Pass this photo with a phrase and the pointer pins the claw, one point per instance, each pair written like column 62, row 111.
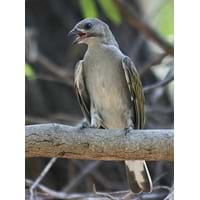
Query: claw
column 83, row 124
column 94, row 126
column 127, row 130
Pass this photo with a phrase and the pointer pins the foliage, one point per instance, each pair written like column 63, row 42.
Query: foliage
column 89, row 9
column 111, row 11
column 30, row 74
column 164, row 20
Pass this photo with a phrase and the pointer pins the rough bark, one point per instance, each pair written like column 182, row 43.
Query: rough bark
column 56, row 140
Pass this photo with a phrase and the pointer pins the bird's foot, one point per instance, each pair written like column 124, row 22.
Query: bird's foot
column 95, row 124
column 127, row 130
column 83, row 124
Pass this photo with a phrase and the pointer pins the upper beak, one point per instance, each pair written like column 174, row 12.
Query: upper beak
column 73, row 32
column 78, row 35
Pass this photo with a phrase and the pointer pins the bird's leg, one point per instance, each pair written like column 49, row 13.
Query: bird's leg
column 95, row 121
column 95, row 118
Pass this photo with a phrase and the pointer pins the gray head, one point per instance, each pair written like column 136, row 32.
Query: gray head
column 92, row 31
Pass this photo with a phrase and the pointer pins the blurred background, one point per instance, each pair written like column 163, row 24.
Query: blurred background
column 144, row 31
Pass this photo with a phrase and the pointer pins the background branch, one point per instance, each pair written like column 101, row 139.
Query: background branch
column 56, row 140
column 51, row 194
column 88, row 169
column 40, row 177
column 168, row 78
column 154, row 62
column 134, row 21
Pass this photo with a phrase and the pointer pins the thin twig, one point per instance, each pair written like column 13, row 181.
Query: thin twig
column 101, row 179
column 170, row 196
column 127, row 196
column 41, row 176
column 141, row 26
column 158, row 109
column 162, row 187
column 109, row 196
column 168, row 78
column 64, row 74
column 152, row 63
column 50, row 192
column 109, row 184
column 159, row 177
column 33, row 54
column 119, row 195
column 63, row 195
column 87, row 169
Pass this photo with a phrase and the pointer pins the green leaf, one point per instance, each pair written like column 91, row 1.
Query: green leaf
column 111, row 11
column 29, row 72
column 165, row 20
column 88, row 8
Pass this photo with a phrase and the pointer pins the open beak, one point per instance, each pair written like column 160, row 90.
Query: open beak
column 77, row 34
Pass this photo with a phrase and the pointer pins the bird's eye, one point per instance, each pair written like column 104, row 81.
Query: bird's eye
column 88, row 26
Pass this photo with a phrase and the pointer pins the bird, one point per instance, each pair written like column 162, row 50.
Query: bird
column 109, row 90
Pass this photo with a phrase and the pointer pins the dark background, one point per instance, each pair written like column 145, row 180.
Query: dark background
column 50, row 96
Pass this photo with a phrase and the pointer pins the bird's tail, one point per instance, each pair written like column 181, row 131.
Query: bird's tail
column 138, row 176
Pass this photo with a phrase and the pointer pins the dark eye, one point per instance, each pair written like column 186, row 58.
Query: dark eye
column 88, row 26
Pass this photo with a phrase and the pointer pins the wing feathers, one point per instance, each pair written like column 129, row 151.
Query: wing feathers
column 81, row 90
column 136, row 91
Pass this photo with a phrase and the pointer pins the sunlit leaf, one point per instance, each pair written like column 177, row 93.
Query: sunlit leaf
column 88, row 8
column 165, row 20
column 111, row 11
column 29, row 72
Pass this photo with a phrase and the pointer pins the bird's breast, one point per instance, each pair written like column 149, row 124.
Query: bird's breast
column 108, row 90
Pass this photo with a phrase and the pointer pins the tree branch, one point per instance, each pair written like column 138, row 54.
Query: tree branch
column 56, row 140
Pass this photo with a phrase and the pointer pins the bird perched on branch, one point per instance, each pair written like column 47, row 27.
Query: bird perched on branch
column 109, row 90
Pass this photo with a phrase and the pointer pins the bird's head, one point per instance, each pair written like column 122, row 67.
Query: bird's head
column 90, row 31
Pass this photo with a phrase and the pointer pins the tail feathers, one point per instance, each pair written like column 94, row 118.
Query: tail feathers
column 138, row 176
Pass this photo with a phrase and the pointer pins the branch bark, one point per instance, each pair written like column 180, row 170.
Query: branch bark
column 56, row 140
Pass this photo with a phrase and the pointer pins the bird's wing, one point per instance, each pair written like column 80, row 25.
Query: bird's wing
column 81, row 90
column 136, row 91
